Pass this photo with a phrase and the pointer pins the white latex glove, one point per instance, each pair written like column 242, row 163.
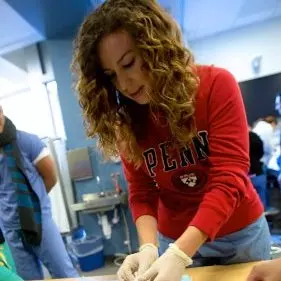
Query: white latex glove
column 138, row 263
column 170, row 266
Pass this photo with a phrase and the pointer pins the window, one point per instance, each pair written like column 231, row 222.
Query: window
column 56, row 109
column 35, row 110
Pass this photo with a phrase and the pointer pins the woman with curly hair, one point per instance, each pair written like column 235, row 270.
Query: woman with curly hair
column 181, row 131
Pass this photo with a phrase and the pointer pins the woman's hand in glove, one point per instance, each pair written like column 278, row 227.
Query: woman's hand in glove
column 169, row 267
column 138, row 263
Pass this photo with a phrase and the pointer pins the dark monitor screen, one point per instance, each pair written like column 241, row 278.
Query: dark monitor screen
column 259, row 96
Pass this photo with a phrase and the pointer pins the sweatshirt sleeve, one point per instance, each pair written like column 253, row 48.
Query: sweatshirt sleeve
column 229, row 155
column 143, row 191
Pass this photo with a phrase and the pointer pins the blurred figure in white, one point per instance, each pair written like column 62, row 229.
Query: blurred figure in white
column 265, row 129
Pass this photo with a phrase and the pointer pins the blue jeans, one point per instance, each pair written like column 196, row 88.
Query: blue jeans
column 249, row 244
column 260, row 184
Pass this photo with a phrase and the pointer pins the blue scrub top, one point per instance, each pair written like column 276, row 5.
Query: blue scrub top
column 30, row 147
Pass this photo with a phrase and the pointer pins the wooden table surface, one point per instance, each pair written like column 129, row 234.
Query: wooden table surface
column 238, row 272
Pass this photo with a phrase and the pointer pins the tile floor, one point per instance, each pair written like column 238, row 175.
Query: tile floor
column 109, row 269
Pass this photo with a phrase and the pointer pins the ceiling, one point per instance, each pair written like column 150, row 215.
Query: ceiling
column 201, row 18
column 15, row 32
column 26, row 22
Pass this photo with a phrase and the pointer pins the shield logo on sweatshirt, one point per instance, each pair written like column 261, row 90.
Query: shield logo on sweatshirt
column 189, row 179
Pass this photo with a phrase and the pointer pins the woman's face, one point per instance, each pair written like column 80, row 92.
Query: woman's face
column 123, row 65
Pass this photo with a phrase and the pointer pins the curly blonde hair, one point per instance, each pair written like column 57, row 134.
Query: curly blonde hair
column 110, row 115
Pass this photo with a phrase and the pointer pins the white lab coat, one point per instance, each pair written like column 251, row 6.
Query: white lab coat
column 273, row 165
column 265, row 131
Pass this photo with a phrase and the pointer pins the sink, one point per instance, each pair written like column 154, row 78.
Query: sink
column 100, row 202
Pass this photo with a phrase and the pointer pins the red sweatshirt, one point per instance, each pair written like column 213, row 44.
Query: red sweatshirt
column 206, row 184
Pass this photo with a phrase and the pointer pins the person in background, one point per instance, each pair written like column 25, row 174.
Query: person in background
column 27, row 174
column 264, row 128
column 7, row 269
column 266, row 271
column 256, row 173
column 269, row 270
column 273, row 167
column 182, row 134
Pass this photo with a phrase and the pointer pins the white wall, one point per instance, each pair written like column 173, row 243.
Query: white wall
column 236, row 49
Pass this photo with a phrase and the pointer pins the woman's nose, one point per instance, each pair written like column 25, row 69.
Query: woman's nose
column 126, row 84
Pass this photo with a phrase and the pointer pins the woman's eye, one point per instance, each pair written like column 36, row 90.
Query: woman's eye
column 129, row 64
